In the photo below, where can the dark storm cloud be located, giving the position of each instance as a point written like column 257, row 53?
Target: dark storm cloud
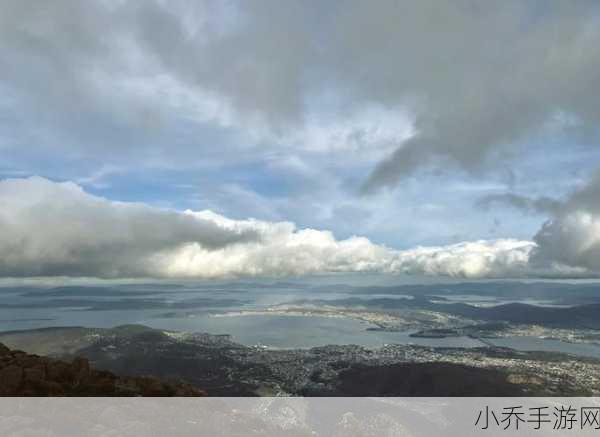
column 479, row 76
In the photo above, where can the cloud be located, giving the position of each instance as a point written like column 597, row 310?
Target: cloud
column 51, row 229
column 313, row 100
column 484, row 78
column 478, row 259
column 571, row 237
column 57, row 229
column 475, row 80
column 568, row 242
column 543, row 204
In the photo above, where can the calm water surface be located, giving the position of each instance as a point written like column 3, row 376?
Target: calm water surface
column 178, row 309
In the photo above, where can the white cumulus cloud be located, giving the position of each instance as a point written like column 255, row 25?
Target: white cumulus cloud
column 484, row 258
column 57, row 229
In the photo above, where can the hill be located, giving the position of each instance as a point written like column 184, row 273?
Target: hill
column 23, row 374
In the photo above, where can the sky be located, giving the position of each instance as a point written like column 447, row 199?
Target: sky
column 201, row 139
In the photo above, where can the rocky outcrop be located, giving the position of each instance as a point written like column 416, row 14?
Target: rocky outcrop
column 22, row 374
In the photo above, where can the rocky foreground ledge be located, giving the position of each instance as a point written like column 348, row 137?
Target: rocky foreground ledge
column 23, row 374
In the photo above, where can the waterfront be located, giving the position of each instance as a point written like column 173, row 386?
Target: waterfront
column 268, row 316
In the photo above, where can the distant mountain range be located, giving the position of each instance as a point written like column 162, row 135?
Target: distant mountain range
column 585, row 316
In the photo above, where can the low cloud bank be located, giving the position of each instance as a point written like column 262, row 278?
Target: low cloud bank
column 57, row 229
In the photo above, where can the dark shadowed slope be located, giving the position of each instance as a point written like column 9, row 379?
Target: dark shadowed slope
column 22, row 374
